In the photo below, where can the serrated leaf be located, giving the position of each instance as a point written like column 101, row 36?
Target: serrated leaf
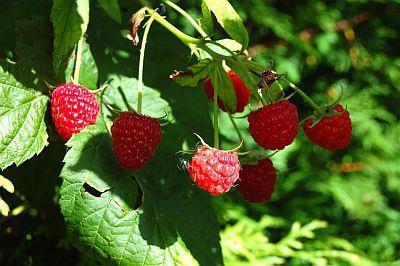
column 88, row 73
column 22, row 128
column 194, row 74
column 229, row 20
column 107, row 226
column 222, row 82
column 122, row 95
column 70, row 20
column 206, row 21
column 111, row 7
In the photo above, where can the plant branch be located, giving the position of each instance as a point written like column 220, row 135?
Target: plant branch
column 216, row 125
column 188, row 17
column 186, row 39
column 141, row 64
column 236, row 127
column 304, row 96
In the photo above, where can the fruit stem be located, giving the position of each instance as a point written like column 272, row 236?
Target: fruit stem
column 304, row 96
column 236, row 127
column 216, row 133
column 141, row 63
column 188, row 17
column 186, row 39
column 78, row 60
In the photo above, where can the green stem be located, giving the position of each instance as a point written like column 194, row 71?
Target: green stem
column 186, row 39
column 216, row 125
column 304, row 96
column 78, row 59
column 141, row 63
column 236, row 127
column 188, row 17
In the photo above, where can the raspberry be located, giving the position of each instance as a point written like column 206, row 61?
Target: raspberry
column 256, row 183
column 274, row 126
column 241, row 91
column 214, row 170
column 331, row 132
column 73, row 107
column 135, row 139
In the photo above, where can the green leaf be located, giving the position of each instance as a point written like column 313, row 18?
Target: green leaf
column 23, row 131
column 226, row 47
column 4, row 208
column 122, row 95
column 70, row 20
column 88, row 73
column 206, row 22
column 248, row 78
column 229, row 20
column 6, row 184
column 111, row 7
column 99, row 203
column 34, row 50
column 13, row 11
column 194, row 74
column 222, row 82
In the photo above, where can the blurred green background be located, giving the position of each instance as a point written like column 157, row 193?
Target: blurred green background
column 329, row 208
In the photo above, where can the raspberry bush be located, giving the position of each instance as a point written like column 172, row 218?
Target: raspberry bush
column 103, row 103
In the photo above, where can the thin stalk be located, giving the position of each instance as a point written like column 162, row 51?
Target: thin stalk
column 186, row 39
column 236, row 127
column 188, row 17
column 141, row 63
column 216, row 125
column 78, row 60
column 304, row 96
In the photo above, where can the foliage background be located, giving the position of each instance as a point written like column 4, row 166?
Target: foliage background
column 328, row 208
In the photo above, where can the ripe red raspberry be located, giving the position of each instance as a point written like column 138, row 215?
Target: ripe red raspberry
column 73, row 107
column 257, row 182
column 214, row 170
column 135, row 139
column 242, row 93
column 274, row 126
column 331, row 132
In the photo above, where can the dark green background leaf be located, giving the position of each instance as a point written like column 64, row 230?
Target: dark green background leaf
column 33, row 44
column 70, row 20
column 111, row 7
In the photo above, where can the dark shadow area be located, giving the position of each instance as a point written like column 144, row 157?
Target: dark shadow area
column 23, row 236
